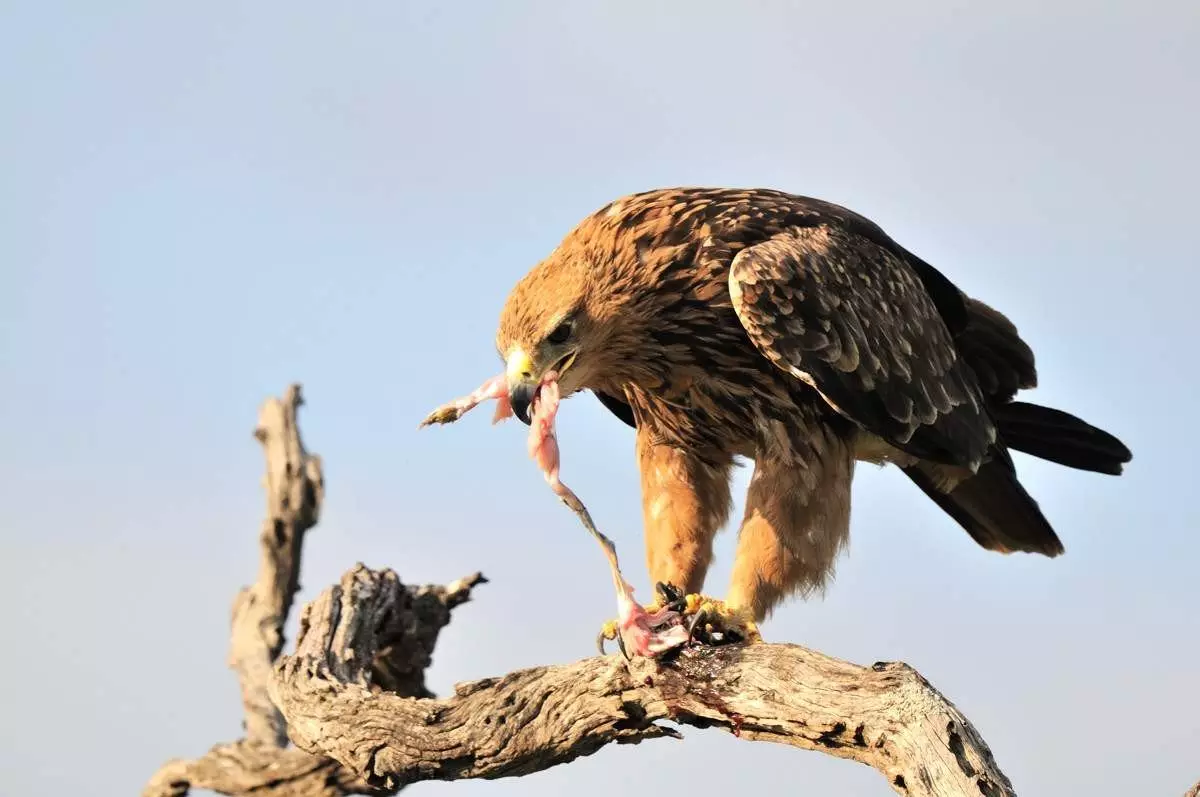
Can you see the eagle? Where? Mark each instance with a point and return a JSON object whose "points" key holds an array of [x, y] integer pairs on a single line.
{"points": [[795, 333]]}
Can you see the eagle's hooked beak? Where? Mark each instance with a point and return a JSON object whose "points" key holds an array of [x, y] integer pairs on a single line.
{"points": [[524, 381], [522, 384]]}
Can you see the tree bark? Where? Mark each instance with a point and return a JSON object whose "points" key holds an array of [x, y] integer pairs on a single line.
{"points": [[295, 491], [262, 763], [243, 768], [886, 716]]}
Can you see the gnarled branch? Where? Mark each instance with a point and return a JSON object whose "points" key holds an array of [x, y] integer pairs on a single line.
{"points": [[886, 716], [262, 763], [243, 768], [295, 490]]}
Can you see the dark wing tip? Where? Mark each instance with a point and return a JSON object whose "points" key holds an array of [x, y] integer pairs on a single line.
{"points": [[995, 510], [617, 407]]}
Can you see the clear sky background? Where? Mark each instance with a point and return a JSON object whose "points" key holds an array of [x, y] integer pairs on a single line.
{"points": [[202, 202]]}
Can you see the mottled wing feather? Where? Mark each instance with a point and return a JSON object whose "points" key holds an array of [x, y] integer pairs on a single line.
{"points": [[855, 322]]}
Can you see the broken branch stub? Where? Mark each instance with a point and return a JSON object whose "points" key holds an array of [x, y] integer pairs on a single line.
{"points": [[295, 489], [261, 763]]}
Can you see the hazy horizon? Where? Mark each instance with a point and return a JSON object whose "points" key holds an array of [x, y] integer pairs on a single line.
{"points": [[202, 204]]}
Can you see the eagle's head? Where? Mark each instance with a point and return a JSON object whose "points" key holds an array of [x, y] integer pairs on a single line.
{"points": [[575, 318]]}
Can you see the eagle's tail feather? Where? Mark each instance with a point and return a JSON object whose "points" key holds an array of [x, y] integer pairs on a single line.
{"points": [[994, 508], [1059, 437]]}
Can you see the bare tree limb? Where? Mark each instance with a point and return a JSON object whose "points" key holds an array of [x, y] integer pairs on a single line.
{"points": [[1193, 792], [295, 490], [262, 763], [886, 716], [404, 648]]}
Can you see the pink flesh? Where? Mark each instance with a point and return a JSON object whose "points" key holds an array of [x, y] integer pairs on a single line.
{"points": [[639, 629], [643, 633], [646, 634]]}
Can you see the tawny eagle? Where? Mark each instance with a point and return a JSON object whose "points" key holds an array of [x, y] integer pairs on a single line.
{"points": [[796, 333]]}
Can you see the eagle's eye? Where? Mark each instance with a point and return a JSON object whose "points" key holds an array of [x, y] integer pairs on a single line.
{"points": [[561, 334]]}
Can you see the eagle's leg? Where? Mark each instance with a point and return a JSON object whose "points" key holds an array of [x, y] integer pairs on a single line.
{"points": [[797, 522], [685, 501]]}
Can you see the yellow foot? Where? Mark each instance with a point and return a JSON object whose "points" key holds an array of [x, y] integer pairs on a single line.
{"points": [[708, 621], [713, 622], [608, 632]]}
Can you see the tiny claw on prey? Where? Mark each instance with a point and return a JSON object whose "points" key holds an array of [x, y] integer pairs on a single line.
{"points": [[494, 388]]}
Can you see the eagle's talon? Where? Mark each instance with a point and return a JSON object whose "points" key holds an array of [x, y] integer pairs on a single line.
{"points": [[608, 631], [672, 597], [699, 620], [621, 647], [714, 623]]}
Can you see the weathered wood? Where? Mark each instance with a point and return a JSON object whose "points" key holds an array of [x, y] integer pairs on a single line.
{"points": [[886, 716], [295, 489], [262, 763], [244, 768]]}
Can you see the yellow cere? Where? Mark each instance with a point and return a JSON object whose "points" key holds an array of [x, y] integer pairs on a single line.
{"points": [[518, 365]]}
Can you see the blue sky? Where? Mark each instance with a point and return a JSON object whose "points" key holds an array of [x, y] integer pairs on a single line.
{"points": [[201, 203]]}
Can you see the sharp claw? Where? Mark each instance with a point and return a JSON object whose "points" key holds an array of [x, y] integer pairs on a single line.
{"points": [[672, 598], [698, 621], [610, 630], [621, 645]]}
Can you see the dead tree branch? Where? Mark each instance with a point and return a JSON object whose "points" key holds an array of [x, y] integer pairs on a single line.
{"points": [[886, 716], [295, 490], [262, 763]]}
